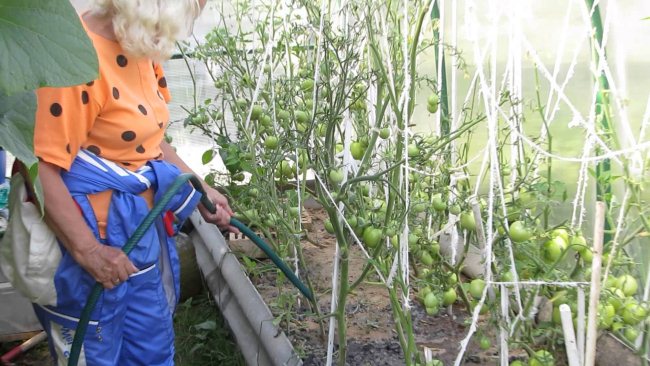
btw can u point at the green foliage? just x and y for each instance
(202, 337)
(53, 32)
(17, 125)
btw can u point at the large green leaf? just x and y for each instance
(17, 132)
(42, 43)
(17, 125)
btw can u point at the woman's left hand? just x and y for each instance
(221, 218)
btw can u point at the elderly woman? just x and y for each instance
(103, 165)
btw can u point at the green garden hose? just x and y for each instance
(155, 212)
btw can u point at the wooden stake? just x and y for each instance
(581, 324)
(569, 335)
(594, 294)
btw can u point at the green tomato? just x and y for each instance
(519, 232)
(438, 203)
(285, 168)
(433, 99)
(631, 334)
(265, 120)
(413, 151)
(452, 279)
(542, 358)
(294, 211)
(561, 232)
(413, 239)
(256, 112)
(301, 116)
(552, 249)
(633, 313)
(307, 85)
(476, 288)
(271, 142)
(432, 108)
(430, 300)
(579, 243)
(357, 150)
(336, 176)
(507, 276)
(434, 249)
(339, 148)
(372, 236)
(449, 297)
(241, 103)
(467, 221)
(587, 255)
(384, 133)
(454, 209)
(432, 310)
(426, 259)
(283, 115)
(484, 343)
(627, 284)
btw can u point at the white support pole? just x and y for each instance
(594, 294)
(581, 324)
(503, 354)
(569, 335)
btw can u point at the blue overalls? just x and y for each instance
(132, 323)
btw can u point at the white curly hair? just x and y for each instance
(149, 28)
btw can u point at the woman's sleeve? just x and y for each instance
(162, 82)
(64, 117)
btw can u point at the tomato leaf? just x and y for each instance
(207, 156)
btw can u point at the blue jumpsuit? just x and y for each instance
(132, 323)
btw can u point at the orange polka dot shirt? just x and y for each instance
(121, 116)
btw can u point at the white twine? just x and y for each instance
(581, 191)
(488, 97)
(578, 118)
(619, 227)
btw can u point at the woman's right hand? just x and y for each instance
(107, 265)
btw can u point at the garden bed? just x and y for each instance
(371, 336)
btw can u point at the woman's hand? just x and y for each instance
(221, 218)
(107, 265)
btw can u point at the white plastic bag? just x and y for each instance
(29, 251)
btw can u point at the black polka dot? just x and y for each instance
(142, 109)
(90, 83)
(94, 149)
(159, 95)
(160, 125)
(56, 109)
(84, 97)
(128, 135)
(122, 61)
(140, 149)
(162, 82)
(67, 148)
(116, 93)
